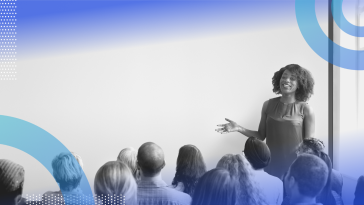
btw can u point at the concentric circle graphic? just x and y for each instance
(319, 42)
(342, 22)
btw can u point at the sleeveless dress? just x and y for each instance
(284, 132)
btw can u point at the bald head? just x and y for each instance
(150, 159)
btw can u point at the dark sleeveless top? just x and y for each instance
(284, 132)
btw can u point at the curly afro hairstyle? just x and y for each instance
(304, 79)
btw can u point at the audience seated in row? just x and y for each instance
(238, 179)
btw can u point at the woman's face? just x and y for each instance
(288, 82)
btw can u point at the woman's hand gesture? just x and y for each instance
(228, 127)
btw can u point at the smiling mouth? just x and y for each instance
(286, 85)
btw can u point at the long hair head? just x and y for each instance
(215, 187)
(190, 167)
(240, 168)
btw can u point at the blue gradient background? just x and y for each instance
(64, 26)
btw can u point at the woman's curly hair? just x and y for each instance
(304, 79)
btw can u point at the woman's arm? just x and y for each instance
(234, 127)
(309, 122)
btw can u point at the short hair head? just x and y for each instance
(129, 157)
(67, 171)
(190, 167)
(115, 178)
(257, 153)
(310, 173)
(215, 187)
(311, 146)
(316, 147)
(304, 78)
(78, 158)
(150, 159)
(11, 181)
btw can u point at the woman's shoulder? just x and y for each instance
(271, 101)
(306, 108)
(276, 99)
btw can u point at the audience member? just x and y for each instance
(305, 179)
(114, 182)
(129, 157)
(359, 192)
(258, 154)
(151, 188)
(331, 193)
(11, 183)
(190, 167)
(78, 158)
(68, 173)
(239, 167)
(216, 187)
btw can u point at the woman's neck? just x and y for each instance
(288, 98)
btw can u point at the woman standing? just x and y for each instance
(285, 120)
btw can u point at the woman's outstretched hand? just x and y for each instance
(228, 127)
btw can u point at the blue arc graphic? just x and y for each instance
(342, 22)
(319, 42)
(36, 142)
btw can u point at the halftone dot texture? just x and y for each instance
(58, 199)
(7, 40)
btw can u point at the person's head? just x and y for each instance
(115, 179)
(215, 187)
(293, 79)
(240, 168)
(78, 158)
(306, 176)
(11, 182)
(230, 163)
(359, 191)
(311, 146)
(257, 153)
(190, 167)
(150, 159)
(129, 157)
(67, 171)
(316, 147)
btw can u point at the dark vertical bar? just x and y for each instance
(331, 85)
